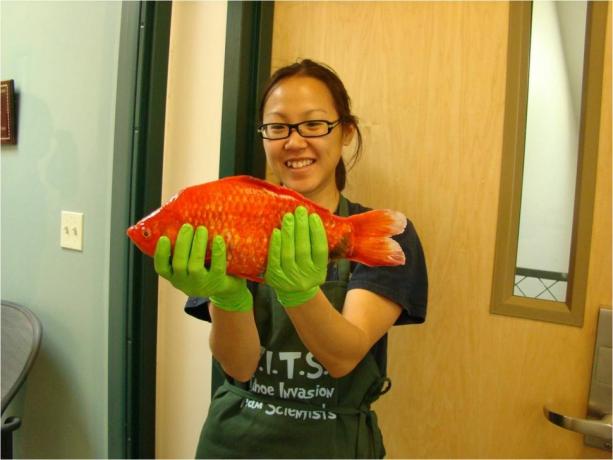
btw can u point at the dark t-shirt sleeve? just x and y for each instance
(198, 307)
(406, 285)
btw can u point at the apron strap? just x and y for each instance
(343, 207)
(379, 388)
(299, 405)
(343, 265)
(344, 270)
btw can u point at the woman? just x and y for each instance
(304, 355)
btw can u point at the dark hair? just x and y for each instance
(342, 103)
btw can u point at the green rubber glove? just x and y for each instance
(187, 272)
(297, 258)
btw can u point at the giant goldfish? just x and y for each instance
(245, 210)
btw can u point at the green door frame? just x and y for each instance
(246, 70)
(137, 184)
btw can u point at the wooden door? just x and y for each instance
(428, 84)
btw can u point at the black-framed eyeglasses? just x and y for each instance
(309, 128)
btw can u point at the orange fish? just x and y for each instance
(245, 210)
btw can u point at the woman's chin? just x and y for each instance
(303, 186)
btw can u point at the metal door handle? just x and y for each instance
(590, 427)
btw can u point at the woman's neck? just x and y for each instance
(326, 198)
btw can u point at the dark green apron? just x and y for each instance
(292, 408)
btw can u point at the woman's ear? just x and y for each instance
(348, 133)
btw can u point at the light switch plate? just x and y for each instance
(71, 236)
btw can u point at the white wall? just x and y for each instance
(552, 136)
(191, 156)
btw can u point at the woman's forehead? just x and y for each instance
(308, 92)
(298, 98)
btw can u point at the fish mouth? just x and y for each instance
(299, 163)
(132, 233)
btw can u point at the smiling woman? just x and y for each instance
(333, 103)
(310, 312)
(304, 163)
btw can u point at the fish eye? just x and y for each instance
(146, 233)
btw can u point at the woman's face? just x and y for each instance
(306, 165)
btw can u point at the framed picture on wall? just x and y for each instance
(8, 115)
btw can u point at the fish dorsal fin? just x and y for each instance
(275, 189)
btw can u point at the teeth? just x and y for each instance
(298, 163)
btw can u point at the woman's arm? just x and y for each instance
(234, 342)
(340, 341)
(297, 266)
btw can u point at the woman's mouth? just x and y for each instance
(299, 164)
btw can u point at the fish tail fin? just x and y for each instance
(372, 242)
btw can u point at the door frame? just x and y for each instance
(246, 71)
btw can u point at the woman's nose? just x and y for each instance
(295, 140)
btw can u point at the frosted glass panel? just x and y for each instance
(551, 144)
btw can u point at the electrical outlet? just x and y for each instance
(72, 230)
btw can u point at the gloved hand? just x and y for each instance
(297, 258)
(188, 273)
